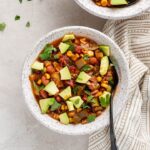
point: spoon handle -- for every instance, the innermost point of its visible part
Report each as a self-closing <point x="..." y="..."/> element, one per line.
<point x="112" y="133"/>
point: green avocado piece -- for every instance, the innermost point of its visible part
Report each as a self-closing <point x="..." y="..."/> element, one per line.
<point x="83" y="77"/>
<point x="63" y="47"/>
<point x="70" y="105"/>
<point x="105" y="99"/>
<point x="64" y="118"/>
<point x="104" y="65"/>
<point x="51" y="88"/>
<point x="118" y="2"/>
<point x="45" y="104"/>
<point x="65" y="74"/>
<point x="66" y="93"/>
<point x="68" y="37"/>
<point x="105" y="49"/>
<point x="77" y="101"/>
<point x="37" y="65"/>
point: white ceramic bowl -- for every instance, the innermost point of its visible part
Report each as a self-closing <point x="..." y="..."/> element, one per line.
<point x="120" y="97"/>
<point x="114" y="13"/>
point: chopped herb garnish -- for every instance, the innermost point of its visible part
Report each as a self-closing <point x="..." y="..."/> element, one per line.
<point x="37" y="88"/>
<point x="55" y="106"/>
<point x="86" y="68"/>
<point x="2" y="26"/>
<point x="75" y="90"/>
<point x="84" y="106"/>
<point x="89" y="98"/>
<point x="91" y="118"/>
<point x="46" y="55"/>
<point x="87" y="92"/>
<point x="28" y="24"/>
<point x="56" y="56"/>
<point x="85" y="57"/>
<point x="17" y="17"/>
<point x="111" y="81"/>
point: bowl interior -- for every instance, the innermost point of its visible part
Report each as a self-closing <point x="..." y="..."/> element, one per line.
<point x="118" y="60"/>
<point x="114" y="13"/>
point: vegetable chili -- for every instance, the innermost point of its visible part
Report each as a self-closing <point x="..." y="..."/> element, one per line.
<point x="72" y="79"/>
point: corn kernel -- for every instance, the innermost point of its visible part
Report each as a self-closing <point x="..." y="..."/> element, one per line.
<point x="99" y="79"/>
<point x="105" y="82"/>
<point x="104" y="85"/>
<point x="44" y="70"/>
<point x="62" y="107"/>
<point x="90" y="53"/>
<point x="83" y="40"/>
<point x="47" y="76"/>
<point x="39" y="82"/>
<point x="69" y="54"/>
<point x="104" y="3"/>
<point x="109" y="88"/>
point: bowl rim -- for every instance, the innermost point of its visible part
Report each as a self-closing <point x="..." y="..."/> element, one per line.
<point x="101" y="15"/>
<point x="23" y="83"/>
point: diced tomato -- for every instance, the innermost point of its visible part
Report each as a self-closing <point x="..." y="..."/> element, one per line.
<point x="44" y="80"/>
<point x="84" y="98"/>
<point x="70" y="83"/>
<point x="43" y="93"/>
<point x="50" y="69"/>
<point x="78" y="49"/>
<point x="64" y="60"/>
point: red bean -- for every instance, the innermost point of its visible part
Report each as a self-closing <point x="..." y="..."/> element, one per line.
<point x="58" y="98"/>
<point x="44" y="80"/>
<point x="43" y="94"/>
<point x="78" y="49"/>
<point x="93" y="61"/>
<point x="50" y="69"/>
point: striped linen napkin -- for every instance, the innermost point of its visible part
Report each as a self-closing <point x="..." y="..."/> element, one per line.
<point x="132" y="126"/>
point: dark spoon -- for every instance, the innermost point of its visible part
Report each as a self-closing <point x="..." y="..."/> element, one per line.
<point x="130" y="2"/>
<point x="112" y="133"/>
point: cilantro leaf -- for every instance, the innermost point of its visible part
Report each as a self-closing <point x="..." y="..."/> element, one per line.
<point x="91" y="118"/>
<point x="37" y="88"/>
<point x="87" y="92"/>
<point x="2" y="26"/>
<point x="85" y="57"/>
<point x="46" y="54"/>
<point x="17" y="17"/>
<point x="84" y="106"/>
<point x="72" y="47"/>
<point x="86" y="68"/>
<point x="55" y="106"/>
<point x="89" y="98"/>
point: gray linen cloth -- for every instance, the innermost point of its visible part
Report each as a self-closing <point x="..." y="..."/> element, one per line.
<point x="132" y="126"/>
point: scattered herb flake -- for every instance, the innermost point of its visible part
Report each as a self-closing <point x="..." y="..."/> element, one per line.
<point x="91" y="118"/>
<point x="2" y="26"/>
<point x="20" y="1"/>
<point x="17" y="17"/>
<point x="89" y="98"/>
<point x="87" y="92"/>
<point x="28" y="24"/>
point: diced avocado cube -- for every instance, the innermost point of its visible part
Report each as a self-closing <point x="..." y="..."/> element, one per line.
<point x="70" y="105"/>
<point x="65" y="74"/>
<point x="63" y="47"/>
<point x="45" y="104"/>
<point x="105" y="99"/>
<point x="37" y="65"/>
<point x="104" y="65"/>
<point x="118" y="2"/>
<point x="64" y="118"/>
<point x="77" y="101"/>
<point x="66" y="93"/>
<point x="105" y="49"/>
<point x="68" y="37"/>
<point x="83" y="77"/>
<point x="51" y="88"/>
